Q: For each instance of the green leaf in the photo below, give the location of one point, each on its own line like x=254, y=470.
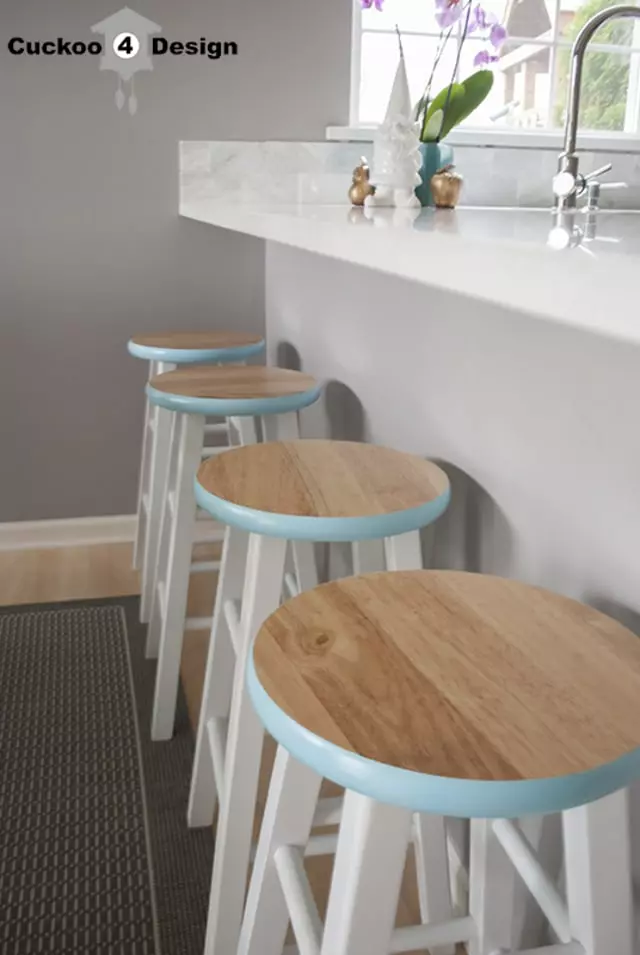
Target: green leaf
x=432, y=127
x=465, y=98
x=437, y=104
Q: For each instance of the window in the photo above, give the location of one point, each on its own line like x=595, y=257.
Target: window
x=531, y=76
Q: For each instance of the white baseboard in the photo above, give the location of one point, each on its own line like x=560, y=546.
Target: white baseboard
x=22, y=535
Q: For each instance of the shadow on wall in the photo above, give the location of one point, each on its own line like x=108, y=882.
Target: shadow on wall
x=338, y=415
x=473, y=534
x=625, y=615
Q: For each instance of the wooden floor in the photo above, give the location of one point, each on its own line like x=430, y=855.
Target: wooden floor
x=77, y=573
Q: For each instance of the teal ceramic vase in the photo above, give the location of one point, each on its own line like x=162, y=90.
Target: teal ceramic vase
x=434, y=157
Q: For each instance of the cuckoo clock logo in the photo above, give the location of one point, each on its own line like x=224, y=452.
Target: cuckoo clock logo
x=128, y=43
x=126, y=50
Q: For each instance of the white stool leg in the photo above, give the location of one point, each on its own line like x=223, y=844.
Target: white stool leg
x=492, y=884
x=143, y=478
x=634, y=829
x=218, y=680
x=430, y=839
x=368, y=557
x=261, y=596
x=598, y=873
x=246, y=430
x=432, y=870
x=177, y=584
x=157, y=483
x=286, y=427
x=367, y=875
x=287, y=821
x=164, y=540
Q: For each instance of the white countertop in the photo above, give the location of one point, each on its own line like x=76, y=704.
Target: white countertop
x=498, y=255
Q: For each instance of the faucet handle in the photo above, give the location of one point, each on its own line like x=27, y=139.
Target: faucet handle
x=597, y=172
x=566, y=184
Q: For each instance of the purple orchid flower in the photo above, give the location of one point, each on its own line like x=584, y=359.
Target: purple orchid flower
x=480, y=19
x=448, y=12
x=497, y=35
x=367, y=4
x=484, y=58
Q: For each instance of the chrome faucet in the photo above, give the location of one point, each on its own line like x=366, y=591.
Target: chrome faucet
x=568, y=183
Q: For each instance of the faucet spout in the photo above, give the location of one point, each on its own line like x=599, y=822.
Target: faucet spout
x=568, y=183
x=577, y=59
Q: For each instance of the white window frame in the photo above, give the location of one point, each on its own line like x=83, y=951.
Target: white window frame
x=492, y=136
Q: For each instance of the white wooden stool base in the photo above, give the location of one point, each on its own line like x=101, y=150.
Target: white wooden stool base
x=598, y=873
x=261, y=596
x=597, y=916
x=219, y=676
x=144, y=478
x=178, y=528
x=287, y=821
x=367, y=875
x=176, y=585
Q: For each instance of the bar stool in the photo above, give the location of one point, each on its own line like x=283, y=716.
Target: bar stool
x=163, y=351
x=445, y=692
x=269, y=494
x=190, y=395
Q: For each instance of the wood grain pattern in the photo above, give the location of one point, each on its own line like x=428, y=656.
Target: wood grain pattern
x=189, y=340
x=233, y=381
x=455, y=674
x=323, y=478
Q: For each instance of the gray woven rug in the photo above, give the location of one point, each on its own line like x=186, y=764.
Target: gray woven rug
x=95, y=854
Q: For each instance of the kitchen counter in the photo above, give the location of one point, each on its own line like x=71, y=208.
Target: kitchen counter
x=517, y=258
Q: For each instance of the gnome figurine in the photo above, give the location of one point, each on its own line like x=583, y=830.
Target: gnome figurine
x=397, y=160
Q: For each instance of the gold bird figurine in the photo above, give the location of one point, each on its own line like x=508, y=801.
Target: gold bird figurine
x=360, y=185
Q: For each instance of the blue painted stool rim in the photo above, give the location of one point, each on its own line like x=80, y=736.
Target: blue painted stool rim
x=420, y=792
x=322, y=529
x=195, y=356
x=232, y=407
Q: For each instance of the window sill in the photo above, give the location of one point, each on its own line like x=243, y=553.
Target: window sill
x=506, y=138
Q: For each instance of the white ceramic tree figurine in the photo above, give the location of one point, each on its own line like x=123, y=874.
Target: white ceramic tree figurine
x=396, y=158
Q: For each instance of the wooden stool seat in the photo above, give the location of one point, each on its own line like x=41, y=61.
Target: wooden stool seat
x=322, y=490
x=192, y=347
x=233, y=390
x=452, y=693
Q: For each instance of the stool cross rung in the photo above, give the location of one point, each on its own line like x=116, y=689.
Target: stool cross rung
x=208, y=533
x=221, y=428
x=414, y=937
x=526, y=864
x=211, y=452
x=328, y=812
x=231, y=611
x=204, y=566
x=197, y=623
x=323, y=845
x=570, y=948
x=217, y=736
x=305, y=920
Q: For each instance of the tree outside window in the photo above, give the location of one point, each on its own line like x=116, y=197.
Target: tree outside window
x=605, y=78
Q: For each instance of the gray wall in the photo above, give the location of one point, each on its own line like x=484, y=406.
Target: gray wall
x=91, y=248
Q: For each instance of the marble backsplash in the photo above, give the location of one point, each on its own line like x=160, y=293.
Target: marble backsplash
x=320, y=173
